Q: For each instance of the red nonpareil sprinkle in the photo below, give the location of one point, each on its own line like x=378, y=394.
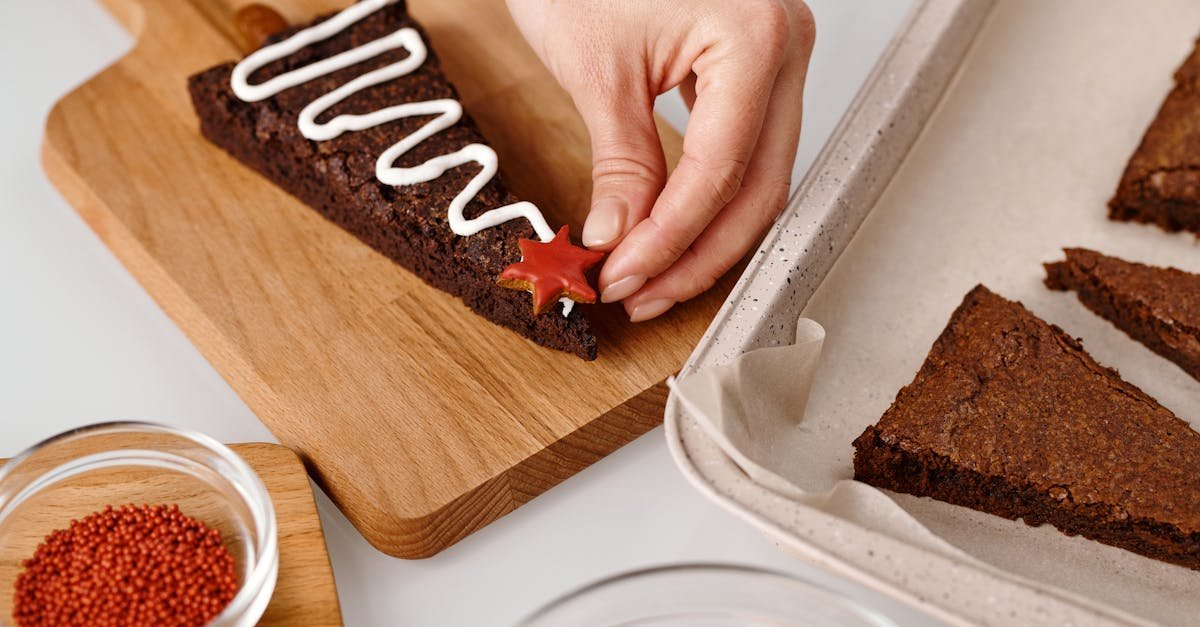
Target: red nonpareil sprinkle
x=147, y=565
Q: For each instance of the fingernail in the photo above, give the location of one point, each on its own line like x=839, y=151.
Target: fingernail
x=620, y=289
x=651, y=309
x=604, y=222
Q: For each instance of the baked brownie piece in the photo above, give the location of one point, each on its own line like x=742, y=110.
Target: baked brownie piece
x=337, y=177
x=1010, y=416
x=1159, y=307
x=1161, y=184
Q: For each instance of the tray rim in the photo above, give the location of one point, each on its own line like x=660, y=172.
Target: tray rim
x=863, y=153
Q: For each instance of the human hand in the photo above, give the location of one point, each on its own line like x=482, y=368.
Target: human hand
x=740, y=65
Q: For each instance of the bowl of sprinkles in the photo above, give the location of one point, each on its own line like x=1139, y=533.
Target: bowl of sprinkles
x=132, y=523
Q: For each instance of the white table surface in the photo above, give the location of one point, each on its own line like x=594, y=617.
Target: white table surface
x=81, y=342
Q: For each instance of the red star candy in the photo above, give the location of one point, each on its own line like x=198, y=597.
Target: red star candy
x=551, y=270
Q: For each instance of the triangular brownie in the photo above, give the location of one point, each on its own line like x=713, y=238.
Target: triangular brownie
x=1010, y=416
x=1161, y=183
x=339, y=177
x=1159, y=307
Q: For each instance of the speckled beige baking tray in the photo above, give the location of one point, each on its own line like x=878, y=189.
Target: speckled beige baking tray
x=989, y=136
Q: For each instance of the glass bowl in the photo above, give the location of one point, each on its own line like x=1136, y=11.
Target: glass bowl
x=79, y=472
x=704, y=595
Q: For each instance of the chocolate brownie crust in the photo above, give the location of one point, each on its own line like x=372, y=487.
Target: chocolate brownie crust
x=1159, y=307
x=408, y=224
x=1010, y=416
x=1161, y=183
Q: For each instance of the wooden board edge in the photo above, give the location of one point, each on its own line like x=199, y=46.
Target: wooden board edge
x=289, y=457
x=130, y=14
x=424, y=536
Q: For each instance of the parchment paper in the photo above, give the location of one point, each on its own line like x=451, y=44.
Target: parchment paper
x=1018, y=162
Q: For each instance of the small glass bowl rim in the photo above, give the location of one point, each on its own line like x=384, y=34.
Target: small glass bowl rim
x=252, y=490
x=603, y=583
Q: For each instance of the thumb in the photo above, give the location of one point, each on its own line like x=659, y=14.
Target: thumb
x=628, y=167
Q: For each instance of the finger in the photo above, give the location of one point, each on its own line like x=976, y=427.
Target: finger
x=733, y=86
x=628, y=166
x=740, y=225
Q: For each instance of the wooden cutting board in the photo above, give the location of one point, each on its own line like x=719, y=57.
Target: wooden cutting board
x=421, y=420
x=304, y=592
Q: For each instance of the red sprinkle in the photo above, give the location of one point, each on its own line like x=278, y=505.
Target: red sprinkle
x=147, y=565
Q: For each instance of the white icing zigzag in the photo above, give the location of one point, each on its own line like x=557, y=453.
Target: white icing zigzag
x=448, y=112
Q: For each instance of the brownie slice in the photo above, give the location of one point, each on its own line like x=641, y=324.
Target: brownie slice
x=1159, y=307
x=408, y=224
x=1161, y=184
x=1010, y=416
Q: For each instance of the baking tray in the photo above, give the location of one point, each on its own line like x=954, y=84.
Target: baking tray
x=988, y=137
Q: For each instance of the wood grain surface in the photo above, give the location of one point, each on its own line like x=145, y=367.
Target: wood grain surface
x=422, y=421
x=305, y=593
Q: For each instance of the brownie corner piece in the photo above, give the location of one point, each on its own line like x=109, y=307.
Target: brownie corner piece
x=1161, y=183
x=1159, y=307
